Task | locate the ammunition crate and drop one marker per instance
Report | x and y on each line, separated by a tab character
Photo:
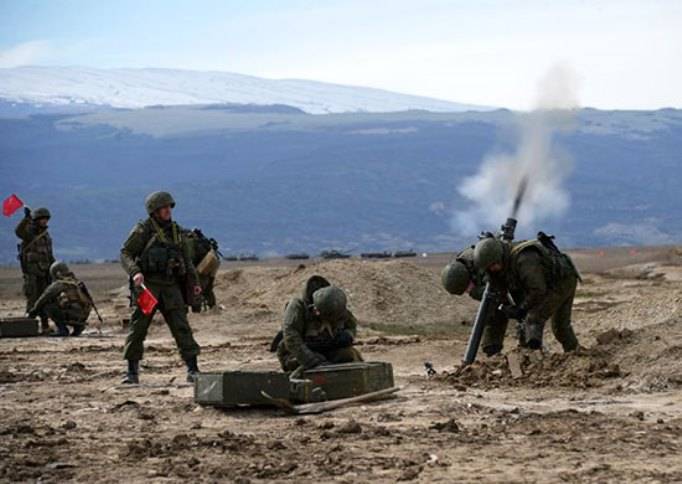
234	388
329	382
347	380
19	327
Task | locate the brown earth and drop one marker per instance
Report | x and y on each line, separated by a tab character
610	412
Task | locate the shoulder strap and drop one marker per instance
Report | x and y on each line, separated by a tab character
517	249
34	240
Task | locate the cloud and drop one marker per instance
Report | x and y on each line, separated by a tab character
26	53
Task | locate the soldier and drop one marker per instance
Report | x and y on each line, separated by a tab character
461	276
156	254
541	280
35	256
65	301
205	257
318	328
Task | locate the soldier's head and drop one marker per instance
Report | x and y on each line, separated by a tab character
489	255
329	303
40	216
160	205
59	270
455	278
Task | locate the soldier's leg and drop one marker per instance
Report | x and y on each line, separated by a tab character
343	355
493	333
286	359
561	320
137	332
60	318
209	295
176	319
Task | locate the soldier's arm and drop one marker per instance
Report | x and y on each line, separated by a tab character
23	229
132	248
292	328
48	294
532	274
352	324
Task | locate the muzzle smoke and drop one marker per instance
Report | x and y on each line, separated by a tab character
491	191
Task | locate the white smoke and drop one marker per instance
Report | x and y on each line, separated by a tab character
492	190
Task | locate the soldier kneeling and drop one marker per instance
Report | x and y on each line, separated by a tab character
318	328
64	301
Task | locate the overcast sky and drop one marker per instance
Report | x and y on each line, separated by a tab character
624	54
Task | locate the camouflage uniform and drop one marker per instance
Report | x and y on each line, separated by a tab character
35	255
542	283
310	340
64	301
160	252
496	327
200	247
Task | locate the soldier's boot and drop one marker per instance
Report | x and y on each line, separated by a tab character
133	374
192	369
77	330
492	349
62	330
534	336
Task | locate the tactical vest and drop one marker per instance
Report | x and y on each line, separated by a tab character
73	301
162	257
556	265
36	254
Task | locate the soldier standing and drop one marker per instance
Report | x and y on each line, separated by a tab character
541	280
206	259
35	256
318	328
461	276
65	301
156	254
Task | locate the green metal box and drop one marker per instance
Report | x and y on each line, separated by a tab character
19	327
347	380
329	382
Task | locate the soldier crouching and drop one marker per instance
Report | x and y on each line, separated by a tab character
318	328
156	254
64	301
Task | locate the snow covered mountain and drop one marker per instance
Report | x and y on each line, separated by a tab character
137	88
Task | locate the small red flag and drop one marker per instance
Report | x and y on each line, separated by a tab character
146	301
11	204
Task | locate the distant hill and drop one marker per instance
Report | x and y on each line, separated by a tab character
275	180
137	88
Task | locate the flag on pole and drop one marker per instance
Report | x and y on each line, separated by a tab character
11	204
146	301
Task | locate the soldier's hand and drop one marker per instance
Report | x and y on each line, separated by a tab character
138	279
343	339
32	313
27	212
513	312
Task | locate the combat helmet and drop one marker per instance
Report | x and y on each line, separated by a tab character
455	277
157	200
38	213
330	302
487	252
59	270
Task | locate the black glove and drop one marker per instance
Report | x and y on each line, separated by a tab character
343	339
33	314
315	359
514	312
27	212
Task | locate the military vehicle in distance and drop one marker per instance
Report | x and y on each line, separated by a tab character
298	256
404	253
376	255
334	254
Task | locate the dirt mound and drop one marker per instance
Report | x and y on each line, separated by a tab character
392	292
582	369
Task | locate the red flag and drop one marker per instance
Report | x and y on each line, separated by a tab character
11	204
146	301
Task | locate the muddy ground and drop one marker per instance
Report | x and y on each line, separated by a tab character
611	412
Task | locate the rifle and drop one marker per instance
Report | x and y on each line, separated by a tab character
84	288
491	295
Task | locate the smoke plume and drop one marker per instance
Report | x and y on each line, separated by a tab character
492	190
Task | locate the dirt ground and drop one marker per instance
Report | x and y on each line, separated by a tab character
611	412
